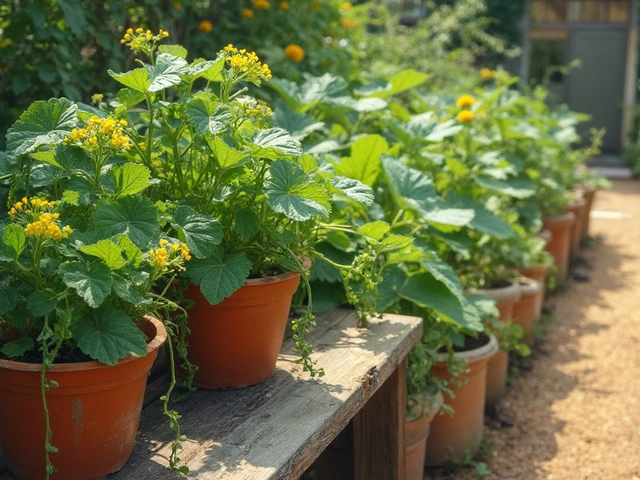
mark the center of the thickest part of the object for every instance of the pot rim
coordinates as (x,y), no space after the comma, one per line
(528,286)
(484,352)
(577,204)
(545,234)
(271,279)
(567,217)
(508,294)
(539,267)
(154,344)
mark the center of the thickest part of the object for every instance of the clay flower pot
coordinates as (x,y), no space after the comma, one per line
(452,435)
(539,274)
(498,367)
(236,342)
(525,311)
(560,244)
(589,196)
(94,413)
(416,434)
(578,208)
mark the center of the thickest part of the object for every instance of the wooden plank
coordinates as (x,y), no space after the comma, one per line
(378,431)
(276,430)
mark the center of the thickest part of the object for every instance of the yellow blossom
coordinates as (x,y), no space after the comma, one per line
(107,133)
(488,74)
(465,101)
(345,6)
(246,62)
(294,52)
(284,5)
(261,4)
(348,24)
(97,98)
(466,116)
(246,13)
(205,26)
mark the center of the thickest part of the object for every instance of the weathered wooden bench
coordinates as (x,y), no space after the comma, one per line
(277,429)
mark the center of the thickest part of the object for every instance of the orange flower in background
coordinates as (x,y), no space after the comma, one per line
(346,6)
(488,74)
(205,26)
(246,13)
(294,52)
(177,5)
(261,4)
(465,101)
(466,116)
(284,6)
(349,24)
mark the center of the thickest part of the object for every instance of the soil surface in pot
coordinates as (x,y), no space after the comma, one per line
(65,355)
(574,411)
(471,343)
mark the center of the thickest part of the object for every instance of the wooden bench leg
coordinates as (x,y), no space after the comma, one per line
(378,431)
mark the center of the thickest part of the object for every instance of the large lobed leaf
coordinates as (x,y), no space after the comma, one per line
(201,233)
(134,216)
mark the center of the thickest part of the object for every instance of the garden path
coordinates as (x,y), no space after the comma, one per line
(575,414)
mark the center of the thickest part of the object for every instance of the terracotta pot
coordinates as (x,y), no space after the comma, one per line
(236,342)
(560,244)
(452,435)
(94,413)
(498,367)
(416,433)
(578,208)
(525,312)
(539,274)
(589,196)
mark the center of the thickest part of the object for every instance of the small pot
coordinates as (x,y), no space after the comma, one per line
(560,245)
(498,368)
(589,196)
(453,435)
(94,413)
(416,434)
(578,208)
(236,342)
(539,274)
(525,311)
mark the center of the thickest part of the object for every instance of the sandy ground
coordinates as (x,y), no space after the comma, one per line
(575,415)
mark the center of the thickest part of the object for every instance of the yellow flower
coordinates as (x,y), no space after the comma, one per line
(345,6)
(205,26)
(246,13)
(261,4)
(284,5)
(177,5)
(97,98)
(466,116)
(294,52)
(488,74)
(246,62)
(348,24)
(465,101)
(107,133)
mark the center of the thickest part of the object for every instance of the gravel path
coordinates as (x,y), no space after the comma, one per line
(575,415)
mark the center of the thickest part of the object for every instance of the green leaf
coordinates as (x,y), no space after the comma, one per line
(247,223)
(442,272)
(227,156)
(73,159)
(293,193)
(129,97)
(126,290)
(8,299)
(131,252)
(74,16)
(210,70)
(15,239)
(207,115)
(92,282)
(375,230)
(484,220)
(364,163)
(135,217)
(513,187)
(275,143)
(42,302)
(175,50)
(369,105)
(19,347)
(299,125)
(201,233)
(107,335)
(408,183)
(131,178)
(44,123)
(108,252)
(166,72)
(137,79)
(400,82)
(47,156)
(219,275)
(354,189)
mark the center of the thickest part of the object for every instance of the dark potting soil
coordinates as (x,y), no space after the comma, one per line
(471,343)
(65,355)
(499,284)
